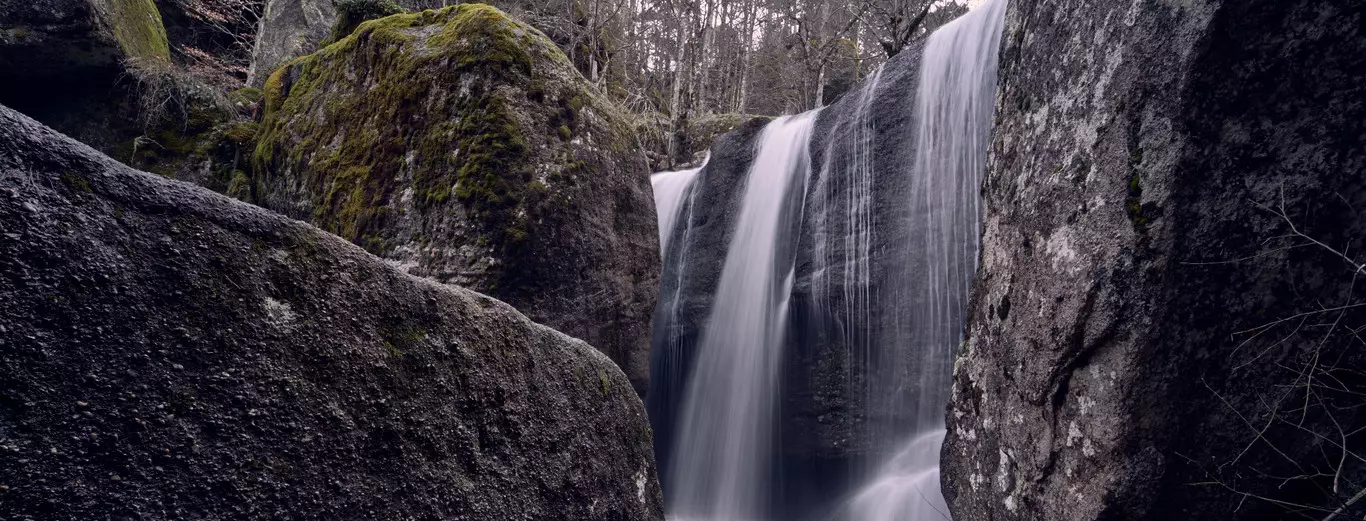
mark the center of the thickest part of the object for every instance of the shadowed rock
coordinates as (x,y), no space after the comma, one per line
(169,353)
(1128,353)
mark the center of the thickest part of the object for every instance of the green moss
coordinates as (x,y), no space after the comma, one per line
(1133,204)
(351,13)
(242,133)
(482,36)
(246,95)
(239,186)
(565,133)
(136,26)
(75,181)
(356,146)
(401,339)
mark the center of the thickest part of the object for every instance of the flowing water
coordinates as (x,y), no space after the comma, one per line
(670,188)
(720,461)
(721,386)
(953,115)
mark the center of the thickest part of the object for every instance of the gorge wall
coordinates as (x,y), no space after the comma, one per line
(169,353)
(1165,324)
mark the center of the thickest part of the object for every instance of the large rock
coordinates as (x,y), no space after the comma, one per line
(1149,337)
(61,61)
(169,353)
(462,145)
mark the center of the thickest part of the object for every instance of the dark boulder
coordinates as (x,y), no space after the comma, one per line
(1155,333)
(169,353)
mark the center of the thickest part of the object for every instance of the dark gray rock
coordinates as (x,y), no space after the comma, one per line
(1146,330)
(698,245)
(831,429)
(169,353)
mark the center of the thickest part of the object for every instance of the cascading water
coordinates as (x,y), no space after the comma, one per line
(721,457)
(953,115)
(670,188)
(875,258)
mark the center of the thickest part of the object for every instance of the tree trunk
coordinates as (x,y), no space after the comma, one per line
(677,113)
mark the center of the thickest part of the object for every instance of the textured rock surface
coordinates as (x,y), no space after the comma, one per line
(289,29)
(1116,365)
(61,61)
(293,28)
(168,353)
(463,145)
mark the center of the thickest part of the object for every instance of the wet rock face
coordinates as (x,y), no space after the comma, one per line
(168,353)
(702,236)
(1143,311)
(463,145)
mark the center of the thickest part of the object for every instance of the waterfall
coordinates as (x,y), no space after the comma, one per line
(720,466)
(669,190)
(953,120)
(872,246)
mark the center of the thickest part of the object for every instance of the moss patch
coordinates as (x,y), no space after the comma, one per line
(136,26)
(245,95)
(351,13)
(449,135)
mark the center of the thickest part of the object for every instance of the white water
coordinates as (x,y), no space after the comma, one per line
(903,322)
(954,109)
(669,189)
(847,266)
(721,463)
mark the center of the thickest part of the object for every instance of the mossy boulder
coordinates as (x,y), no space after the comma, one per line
(464,146)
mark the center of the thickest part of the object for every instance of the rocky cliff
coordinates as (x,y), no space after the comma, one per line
(1166,323)
(169,353)
(463,145)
